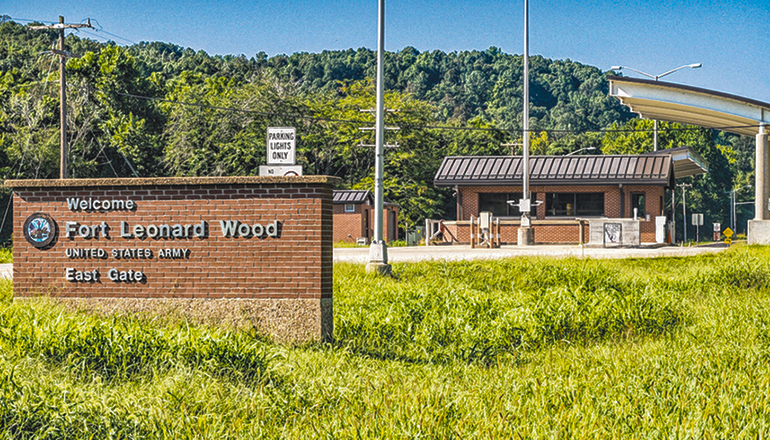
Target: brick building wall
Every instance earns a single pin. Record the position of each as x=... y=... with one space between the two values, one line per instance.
x=286 y=267
x=348 y=226
x=558 y=230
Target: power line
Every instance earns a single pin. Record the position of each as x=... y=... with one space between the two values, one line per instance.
x=100 y=28
x=415 y=126
x=31 y=21
x=241 y=110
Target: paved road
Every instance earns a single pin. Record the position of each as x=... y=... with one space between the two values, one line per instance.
x=451 y=253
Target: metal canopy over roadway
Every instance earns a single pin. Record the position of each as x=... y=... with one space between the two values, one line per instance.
x=686 y=161
x=664 y=101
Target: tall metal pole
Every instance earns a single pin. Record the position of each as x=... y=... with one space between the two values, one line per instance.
x=63 y=108
x=526 y=234
x=525 y=168
x=378 y=179
x=732 y=210
x=378 y=251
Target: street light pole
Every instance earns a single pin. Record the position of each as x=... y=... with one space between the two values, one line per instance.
x=733 y=211
x=378 y=250
x=525 y=118
x=526 y=235
x=655 y=77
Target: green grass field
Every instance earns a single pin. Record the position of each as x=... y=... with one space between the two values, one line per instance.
x=520 y=348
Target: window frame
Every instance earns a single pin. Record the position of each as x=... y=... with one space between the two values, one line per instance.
x=635 y=202
x=576 y=208
x=352 y=205
x=509 y=208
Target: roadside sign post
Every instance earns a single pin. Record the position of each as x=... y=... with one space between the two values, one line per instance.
x=281 y=153
x=717 y=231
x=697 y=221
x=728 y=233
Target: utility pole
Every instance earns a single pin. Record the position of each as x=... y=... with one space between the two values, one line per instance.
x=387 y=110
x=684 y=187
x=63 y=55
x=512 y=144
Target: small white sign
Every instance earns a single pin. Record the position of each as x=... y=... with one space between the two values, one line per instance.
x=281 y=146
x=697 y=219
x=717 y=227
x=269 y=170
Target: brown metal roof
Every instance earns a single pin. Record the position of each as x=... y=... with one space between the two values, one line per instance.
x=556 y=170
x=350 y=196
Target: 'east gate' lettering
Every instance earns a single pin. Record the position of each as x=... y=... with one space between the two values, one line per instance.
x=77 y=276
x=127 y=276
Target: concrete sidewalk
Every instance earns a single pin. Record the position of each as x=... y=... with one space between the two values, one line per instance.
x=454 y=253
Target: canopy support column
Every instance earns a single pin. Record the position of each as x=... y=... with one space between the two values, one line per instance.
x=761 y=185
x=759 y=228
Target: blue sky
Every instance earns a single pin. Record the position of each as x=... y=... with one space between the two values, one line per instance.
x=731 y=38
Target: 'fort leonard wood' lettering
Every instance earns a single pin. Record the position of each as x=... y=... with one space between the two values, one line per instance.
x=157 y=231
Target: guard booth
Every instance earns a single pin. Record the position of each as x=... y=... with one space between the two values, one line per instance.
x=569 y=191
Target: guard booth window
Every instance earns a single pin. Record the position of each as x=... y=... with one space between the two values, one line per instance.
x=637 y=201
x=574 y=204
x=497 y=204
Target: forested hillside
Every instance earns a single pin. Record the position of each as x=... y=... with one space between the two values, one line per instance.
x=157 y=109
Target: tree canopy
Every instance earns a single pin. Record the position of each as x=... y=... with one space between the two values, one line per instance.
x=158 y=109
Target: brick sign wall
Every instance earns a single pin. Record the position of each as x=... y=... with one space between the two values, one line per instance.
x=260 y=247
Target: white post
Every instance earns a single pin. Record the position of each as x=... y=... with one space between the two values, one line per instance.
x=761 y=192
x=684 y=214
x=732 y=210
